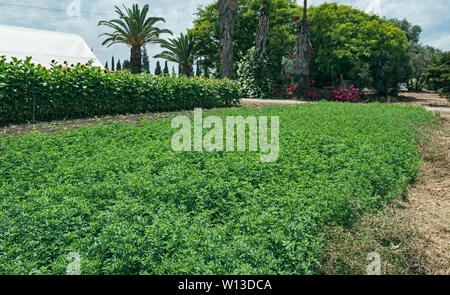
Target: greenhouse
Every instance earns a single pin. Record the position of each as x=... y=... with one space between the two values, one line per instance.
x=44 y=46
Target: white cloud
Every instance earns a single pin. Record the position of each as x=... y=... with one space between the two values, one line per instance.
x=442 y=42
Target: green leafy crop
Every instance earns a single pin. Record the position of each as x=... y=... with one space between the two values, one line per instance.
x=128 y=204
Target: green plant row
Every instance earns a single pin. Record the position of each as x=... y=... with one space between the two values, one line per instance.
x=34 y=93
x=120 y=197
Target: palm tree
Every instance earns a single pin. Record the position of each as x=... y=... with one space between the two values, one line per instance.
x=136 y=29
x=182 y=50
x=263 y=33
x=227 y=13
x=303 y=49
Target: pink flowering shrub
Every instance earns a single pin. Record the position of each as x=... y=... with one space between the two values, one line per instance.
x=342 y=93
x=290 y=89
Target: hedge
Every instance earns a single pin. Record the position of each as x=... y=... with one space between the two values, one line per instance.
x=30 y=92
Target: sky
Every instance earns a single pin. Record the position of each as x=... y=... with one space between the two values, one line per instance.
x=62 y=15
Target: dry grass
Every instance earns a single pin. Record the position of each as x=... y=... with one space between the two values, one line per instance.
x=429 y=198
x=391 y=233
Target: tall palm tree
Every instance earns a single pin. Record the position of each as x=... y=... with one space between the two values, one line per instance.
x=263 y=33
x=303 y=49
x=227 y=13
x=136 y=29
x=181 y=50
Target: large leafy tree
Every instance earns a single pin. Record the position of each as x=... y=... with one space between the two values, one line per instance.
x=227 y=12
x=135 y=28
x=354 y=46
x=182 y=50
x=420 y=58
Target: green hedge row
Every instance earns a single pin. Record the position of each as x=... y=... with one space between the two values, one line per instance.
x=34 y=93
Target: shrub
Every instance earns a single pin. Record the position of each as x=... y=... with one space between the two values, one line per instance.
x=29 y=92
x=307 y=90
x=128 y=204
x=254 y=75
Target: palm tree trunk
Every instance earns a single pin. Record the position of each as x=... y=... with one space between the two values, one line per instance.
x=135 y=60
x=303 y=49
x=262 y=36
x=185 y=70
x=227 y=13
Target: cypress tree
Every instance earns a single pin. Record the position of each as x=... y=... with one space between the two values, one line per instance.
x=106 y=65
x=112 y=64
x=145 y=61
x=166 y=68
x=119 y=66
x=126 y=64
x=158 y=69
x=198 y=72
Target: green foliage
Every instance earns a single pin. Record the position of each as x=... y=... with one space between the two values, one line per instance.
x=166 y=68
x=412 y=31
x=119 y=66
x=420 y=58
x=145 y=61
x=134 y=28
x=182 y=50
x=158 y=70
x=113 y=64
x=350 y=42
x=33 y=93
x=437 y=76
x=126 y=65
x=206 y=31
x=120 y=197
x=255 y=75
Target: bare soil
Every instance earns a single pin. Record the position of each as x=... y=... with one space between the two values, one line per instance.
x=425 y=99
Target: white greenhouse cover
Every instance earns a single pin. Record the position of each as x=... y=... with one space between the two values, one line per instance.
x=44 y=46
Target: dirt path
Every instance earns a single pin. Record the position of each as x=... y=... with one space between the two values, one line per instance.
x=429 y=198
